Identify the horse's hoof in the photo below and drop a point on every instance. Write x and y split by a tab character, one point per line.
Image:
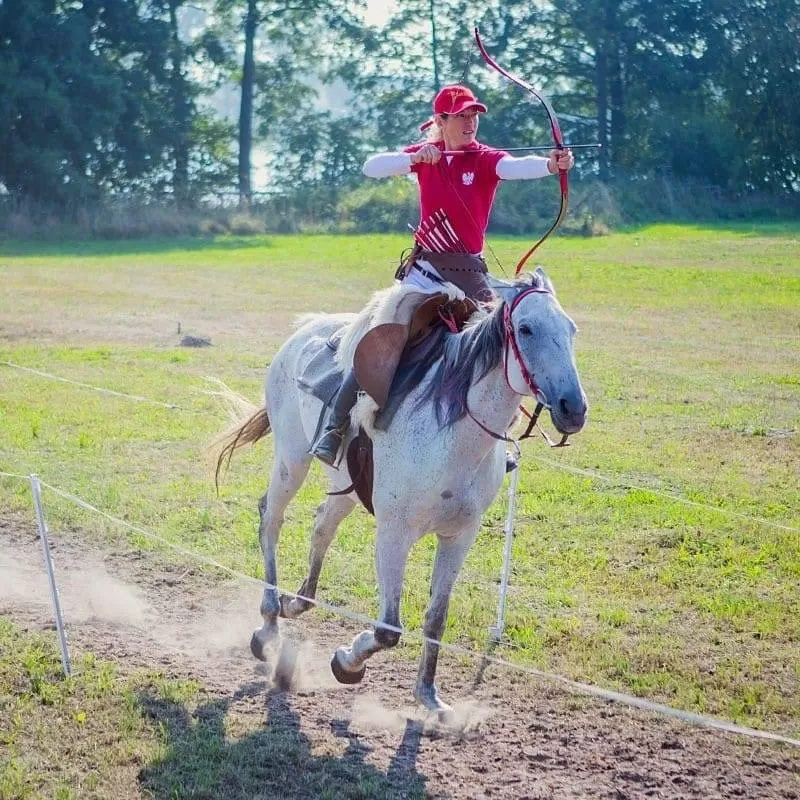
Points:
429	699
257	647
292	607
259	642
345	675
446	716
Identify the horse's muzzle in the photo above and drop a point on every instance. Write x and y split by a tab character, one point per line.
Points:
569	413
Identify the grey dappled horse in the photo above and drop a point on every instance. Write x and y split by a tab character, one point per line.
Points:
438	466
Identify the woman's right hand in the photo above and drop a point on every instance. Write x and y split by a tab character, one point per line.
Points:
427	154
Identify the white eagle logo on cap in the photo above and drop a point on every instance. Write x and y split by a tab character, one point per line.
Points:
467	178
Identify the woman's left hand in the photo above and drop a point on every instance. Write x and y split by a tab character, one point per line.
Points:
560	159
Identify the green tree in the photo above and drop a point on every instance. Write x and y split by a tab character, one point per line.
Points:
96	99
198	143
76	99
757	80
298	37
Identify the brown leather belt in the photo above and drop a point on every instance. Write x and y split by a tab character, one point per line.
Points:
453	262
464	270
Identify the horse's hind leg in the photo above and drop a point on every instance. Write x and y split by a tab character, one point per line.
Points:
330	514
287	477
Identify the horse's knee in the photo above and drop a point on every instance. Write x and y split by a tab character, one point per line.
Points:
386	637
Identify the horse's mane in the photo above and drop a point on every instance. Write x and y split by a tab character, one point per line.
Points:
454	362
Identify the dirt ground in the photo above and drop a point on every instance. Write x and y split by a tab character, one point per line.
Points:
516	736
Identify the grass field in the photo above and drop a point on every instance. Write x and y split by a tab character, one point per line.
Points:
59	734
659	555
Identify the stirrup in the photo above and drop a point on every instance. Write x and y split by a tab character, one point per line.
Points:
326	448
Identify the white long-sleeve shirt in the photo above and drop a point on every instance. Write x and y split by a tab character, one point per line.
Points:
386	165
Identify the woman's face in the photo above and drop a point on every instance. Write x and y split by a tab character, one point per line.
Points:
459	130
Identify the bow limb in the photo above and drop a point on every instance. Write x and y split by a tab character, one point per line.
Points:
558	140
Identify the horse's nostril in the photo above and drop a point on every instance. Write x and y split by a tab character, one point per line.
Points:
563	406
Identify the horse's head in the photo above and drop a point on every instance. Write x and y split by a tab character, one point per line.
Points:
540	358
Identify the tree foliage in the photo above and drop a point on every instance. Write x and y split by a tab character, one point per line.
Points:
101	98
95	99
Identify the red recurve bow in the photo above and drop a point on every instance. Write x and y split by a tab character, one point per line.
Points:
557	139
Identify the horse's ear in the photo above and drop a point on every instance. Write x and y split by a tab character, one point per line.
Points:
505	290
546	283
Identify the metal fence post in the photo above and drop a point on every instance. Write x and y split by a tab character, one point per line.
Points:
36	489
496	630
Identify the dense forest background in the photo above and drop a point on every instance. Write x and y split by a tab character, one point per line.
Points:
109	119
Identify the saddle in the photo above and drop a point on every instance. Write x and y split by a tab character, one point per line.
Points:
381	349
376	359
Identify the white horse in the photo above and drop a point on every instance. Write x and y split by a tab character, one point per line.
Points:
437	467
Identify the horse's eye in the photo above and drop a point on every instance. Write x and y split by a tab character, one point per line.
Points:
525	330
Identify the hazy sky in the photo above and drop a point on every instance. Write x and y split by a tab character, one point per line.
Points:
378	11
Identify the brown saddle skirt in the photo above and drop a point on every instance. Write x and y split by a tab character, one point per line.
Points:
380	350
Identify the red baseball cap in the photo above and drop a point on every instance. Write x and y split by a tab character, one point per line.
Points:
453	100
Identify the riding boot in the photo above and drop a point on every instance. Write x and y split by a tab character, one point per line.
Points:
511	461
326	448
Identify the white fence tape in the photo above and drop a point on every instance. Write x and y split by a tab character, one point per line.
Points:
584	688
101	389
590	473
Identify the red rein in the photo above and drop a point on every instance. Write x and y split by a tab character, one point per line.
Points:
527	375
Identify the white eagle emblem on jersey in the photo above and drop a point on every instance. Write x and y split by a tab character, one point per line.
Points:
467	178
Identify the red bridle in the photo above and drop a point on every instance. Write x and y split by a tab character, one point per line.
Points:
513	345
530	381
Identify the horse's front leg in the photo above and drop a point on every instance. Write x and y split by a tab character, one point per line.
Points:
287	477
391	554
329	516
450	555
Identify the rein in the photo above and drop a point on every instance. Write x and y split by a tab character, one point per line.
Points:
511	345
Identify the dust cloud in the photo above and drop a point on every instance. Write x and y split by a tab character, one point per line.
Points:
465	717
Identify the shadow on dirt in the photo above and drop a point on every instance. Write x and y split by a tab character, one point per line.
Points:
206	757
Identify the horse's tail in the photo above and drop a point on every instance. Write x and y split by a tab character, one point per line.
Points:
255	426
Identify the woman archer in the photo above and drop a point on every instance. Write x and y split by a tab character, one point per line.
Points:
456	194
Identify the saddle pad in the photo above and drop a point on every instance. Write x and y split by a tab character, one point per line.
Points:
319	374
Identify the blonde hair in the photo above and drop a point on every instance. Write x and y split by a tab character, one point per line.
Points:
434	132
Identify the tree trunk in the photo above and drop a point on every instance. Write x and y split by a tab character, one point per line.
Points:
246	107
436	86
616	85
180	102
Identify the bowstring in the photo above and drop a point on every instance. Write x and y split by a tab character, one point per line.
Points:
489	247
